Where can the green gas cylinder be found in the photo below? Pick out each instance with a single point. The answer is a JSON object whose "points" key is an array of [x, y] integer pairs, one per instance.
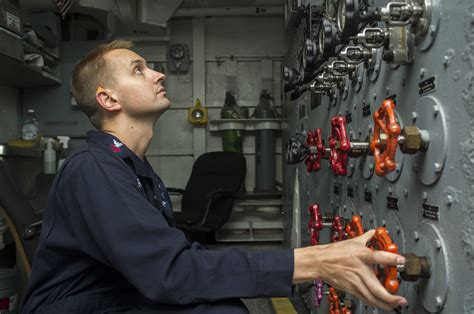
{"points": [[232, 139]]}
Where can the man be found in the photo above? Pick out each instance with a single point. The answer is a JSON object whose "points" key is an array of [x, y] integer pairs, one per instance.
{"points": [[109, 243]]}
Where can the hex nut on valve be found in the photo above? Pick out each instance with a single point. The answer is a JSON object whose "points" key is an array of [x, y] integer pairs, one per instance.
{"points": [[410, 140], [415, 267]]}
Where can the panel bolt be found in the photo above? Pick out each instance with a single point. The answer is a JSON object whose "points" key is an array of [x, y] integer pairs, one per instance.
{"points": [[424, 196], [437, 167], [377, 187], [405, 192], [384, 223], [422, 73], [416, 236], [439, 302], [387, 90], [366, 187], [449, 200], [435, 110], [438, 244], [414, 116], [390, 190]]}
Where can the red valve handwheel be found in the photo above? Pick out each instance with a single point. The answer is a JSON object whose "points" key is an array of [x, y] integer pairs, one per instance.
{"points": [[354, 228], [315, 224], [340, 146], [388, 277], [335, 304], [385, 122], [313, 161], [337, 229]]}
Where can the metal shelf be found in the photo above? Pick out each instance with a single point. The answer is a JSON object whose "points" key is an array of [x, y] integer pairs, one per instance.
{"points": [[244, 124]]}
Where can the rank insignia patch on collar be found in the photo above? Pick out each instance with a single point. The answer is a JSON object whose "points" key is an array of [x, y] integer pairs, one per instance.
{"points": [[117, 147]]}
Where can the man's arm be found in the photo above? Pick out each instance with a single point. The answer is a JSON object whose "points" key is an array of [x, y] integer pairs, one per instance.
{"points": [[348, 265], [116, 225]]}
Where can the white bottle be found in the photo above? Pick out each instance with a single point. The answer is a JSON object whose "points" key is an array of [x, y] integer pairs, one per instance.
{"points": [[62, 157], [30, 128], [49, 159]]}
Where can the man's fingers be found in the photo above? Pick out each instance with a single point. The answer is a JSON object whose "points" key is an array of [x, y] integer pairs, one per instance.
{"points": [[379, 291], [370, 298], [387, 258], [366, 237]]}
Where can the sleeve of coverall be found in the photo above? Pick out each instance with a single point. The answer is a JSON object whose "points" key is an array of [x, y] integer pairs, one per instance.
{"points": [[133, 237]]}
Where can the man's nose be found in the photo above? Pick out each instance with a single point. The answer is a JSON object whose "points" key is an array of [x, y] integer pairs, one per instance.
{"points": [[159, 77]]}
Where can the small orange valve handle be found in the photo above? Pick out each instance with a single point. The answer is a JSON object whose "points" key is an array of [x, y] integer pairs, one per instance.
{"points": [[385, 123], [354, 228], [337, 229], [340, 146], [388, 277], [313, 160], [315, 224]]}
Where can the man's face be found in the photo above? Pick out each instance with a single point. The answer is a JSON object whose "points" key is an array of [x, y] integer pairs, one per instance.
{"points": [[139, 89]]}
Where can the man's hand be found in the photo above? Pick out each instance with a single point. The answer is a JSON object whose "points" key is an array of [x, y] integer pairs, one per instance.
{"points": [[348, 266]]}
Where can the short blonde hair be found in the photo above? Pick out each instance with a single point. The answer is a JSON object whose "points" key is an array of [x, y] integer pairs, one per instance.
{"points": [[91, 72]]}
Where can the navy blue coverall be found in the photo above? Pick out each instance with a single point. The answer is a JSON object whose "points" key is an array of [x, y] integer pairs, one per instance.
{"points": [[109, 244]]}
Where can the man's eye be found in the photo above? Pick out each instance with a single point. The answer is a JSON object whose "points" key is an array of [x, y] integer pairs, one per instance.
{"points": [[138, 71]]}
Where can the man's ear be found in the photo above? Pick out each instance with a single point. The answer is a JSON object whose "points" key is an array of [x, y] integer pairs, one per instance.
{"points": [[107, 99]]}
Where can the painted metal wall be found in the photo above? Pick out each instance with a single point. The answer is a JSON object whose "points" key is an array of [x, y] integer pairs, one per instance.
{"points": [[426, 204], [9, 113]]}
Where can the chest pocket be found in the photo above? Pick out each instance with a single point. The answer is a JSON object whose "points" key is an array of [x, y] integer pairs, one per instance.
{"points": [[157, 198]]}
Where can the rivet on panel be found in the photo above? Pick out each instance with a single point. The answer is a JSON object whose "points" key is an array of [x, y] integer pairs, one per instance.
{"points": [[375, 96], [390, 190], [439, 302], [437, 167], [414, 116], [377, 187], [365, 187], [387, 90], [384, 223], [405, 192], [438, 244], [435, 110]]}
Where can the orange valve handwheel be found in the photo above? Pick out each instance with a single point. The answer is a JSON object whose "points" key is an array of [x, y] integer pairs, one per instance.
{"points": [[385, 126], [354, 228], [388, 277]]}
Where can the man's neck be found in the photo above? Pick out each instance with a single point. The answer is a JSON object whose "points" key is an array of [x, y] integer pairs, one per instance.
{"points": [[137, 137]]}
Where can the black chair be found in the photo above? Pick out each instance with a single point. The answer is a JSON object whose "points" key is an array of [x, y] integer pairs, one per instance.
{"points": [[20, 217], [217, 178]]}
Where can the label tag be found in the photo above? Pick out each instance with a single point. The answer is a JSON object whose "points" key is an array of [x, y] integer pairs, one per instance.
{"points": [[392, 203], [427, 86], [350, 191], [13, 22], [430, 211], [348, 117], [368, 197], [366, 111]]}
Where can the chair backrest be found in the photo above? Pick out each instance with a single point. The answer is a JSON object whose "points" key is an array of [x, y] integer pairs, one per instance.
{"points": [[19, 216], [211, 172]]}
